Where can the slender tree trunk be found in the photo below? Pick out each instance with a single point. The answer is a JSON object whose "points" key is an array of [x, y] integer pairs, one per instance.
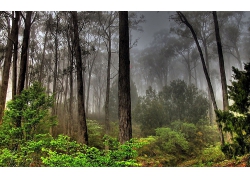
{"points": [[43, 58], [189, 69], [238, 57], [27, 71], [15, 55], [124, 112], [7, 63], [71, 66], [89, 80], [80, 95], [54, 90], [210, 110], [55, 75], [185, 21], [221, 62], [107, 125]]}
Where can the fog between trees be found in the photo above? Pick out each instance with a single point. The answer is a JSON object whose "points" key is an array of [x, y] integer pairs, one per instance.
{"points": [[61, 49]]}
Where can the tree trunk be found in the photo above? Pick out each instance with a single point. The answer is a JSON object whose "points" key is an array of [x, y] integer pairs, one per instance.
{"points": [[124, 112], [15, 55], [221, 62], [238, 58], [80, 95], [24, 53], [43, 58], [107, 125], [210, 110], [7, 63], [89, 80], [71, 66], [185, 21], [23, 64]]}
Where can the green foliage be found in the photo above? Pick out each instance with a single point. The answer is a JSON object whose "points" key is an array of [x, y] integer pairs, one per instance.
{"points": [[207, 157], [212, 154], [175, 102], [32, 108], [240, 90], [172, 141], [183, 102], [119, 155], [149, 113], [236, 121], [95, 133], [167, 148]]}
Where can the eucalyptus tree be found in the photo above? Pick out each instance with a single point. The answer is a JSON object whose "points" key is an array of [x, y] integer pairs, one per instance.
{"points": [[107, 21], [201, 23], [54, 30], [12, 36], [232, 27], [15, 56], [80, 95], [24, 57], [154, 62], [182, 19], [98, 84], [183, 48], [221, 63], [124, 112]]}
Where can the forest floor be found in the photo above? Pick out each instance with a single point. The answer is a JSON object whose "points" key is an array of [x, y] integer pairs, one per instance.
{"points": [[240, 161], [243, 161]]}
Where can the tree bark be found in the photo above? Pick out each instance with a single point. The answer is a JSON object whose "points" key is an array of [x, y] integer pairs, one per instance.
{"points": [[185, 21], [221, 62], [15, 55], [124, 112], [80, 93]]}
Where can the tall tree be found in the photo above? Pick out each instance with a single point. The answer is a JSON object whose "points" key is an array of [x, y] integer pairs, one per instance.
{"points": [[106, 24], [124, 112], [15, 55], [7, 63], [184, 20], [221, 62], [24, 53], [80, 94]]}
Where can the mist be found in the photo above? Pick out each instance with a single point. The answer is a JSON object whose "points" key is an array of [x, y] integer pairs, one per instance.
{"points": [[124, 88]]}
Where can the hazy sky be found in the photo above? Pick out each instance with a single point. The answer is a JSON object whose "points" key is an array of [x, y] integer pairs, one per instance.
{"points": [[155, 21]]}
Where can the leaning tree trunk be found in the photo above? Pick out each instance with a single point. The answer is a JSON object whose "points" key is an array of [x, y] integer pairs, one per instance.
{"points": [[124, 109], [210, 110], [7, 63], [221, 62], [80, 94], [185, 21]]}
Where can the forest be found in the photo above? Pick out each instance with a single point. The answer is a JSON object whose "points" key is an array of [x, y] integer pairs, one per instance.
{"points": [[77, 90]]}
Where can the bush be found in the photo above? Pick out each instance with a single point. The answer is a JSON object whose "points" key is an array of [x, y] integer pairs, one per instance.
{"points": [[31, 108], [172, 141], [121, 155]]}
